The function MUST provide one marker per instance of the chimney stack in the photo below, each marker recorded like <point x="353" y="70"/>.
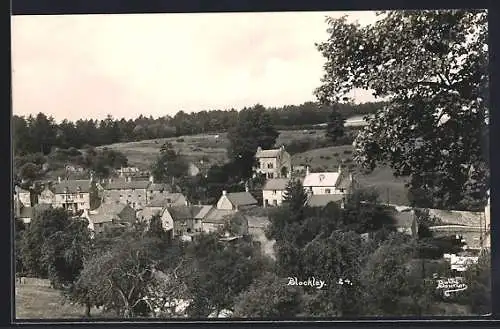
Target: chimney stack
<point x="151" y="179"/>
<point x="259" y="149"/>
<point x="247" y="188"/>
<point x="307" y="170"/>
<point x="340" y="167"/>
<point x="59" y="179"/>
<point x="224" y="193"/>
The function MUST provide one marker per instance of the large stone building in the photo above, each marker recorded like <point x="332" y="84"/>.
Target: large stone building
<point x="274" y="163"/>
<point x="127" y="191"/>
<point x="72" y="195"/>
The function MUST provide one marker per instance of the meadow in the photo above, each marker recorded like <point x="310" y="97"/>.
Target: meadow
<point x="211" y="149"/>
<point x="39" y="302"/>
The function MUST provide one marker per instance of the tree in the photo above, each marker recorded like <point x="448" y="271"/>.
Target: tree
<point x="478" y="278"/>
<point x="43" y="226"/>
<point x="118" y="278"/>
<point x="168" y="164"/>
<point x="432" y="67"/>
<point x="253" y="129"/>
<point x="29" y="172"/>
<point x="65" y="251"/>
<point x="269" y="297"/>
<point x="295" y="197"/>
<point x="335" y="127"/>
<point x="220" y="271"/>
<point x="18" y="242"/>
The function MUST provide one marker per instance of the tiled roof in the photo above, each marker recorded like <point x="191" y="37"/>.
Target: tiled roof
<point x="321" y="200"/>
<point x="344" y="181"/>
<point x="127" y="185"/>
<point x="103" y="218"/>
<point x="111" y="208"/>
<point x="321" y="179"/>
<point x="218" y="216"/>
<point x="203" y="212"/>
<point x="276" y="184"/>
<point x="184" y="212"/>
<point x="160" y="187"/>
<point x="241" y="198"/>
<point x="164" y="200"/>
<point x="72" y="186"/>
<point x="267" y="153"/>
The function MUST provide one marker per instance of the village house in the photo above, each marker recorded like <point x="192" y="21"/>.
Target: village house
<point x="339" y="182"/>
<point x="273" y="192"/>
<point x="274" y="163"/>
<point x="72" y="195"/>
<point x="236" y="201"/>
<point x="74" y="169"/>
<point x="127" y="191"/>
<point x="159" y="204"/>
<point x="187" y="220"/>
<point x="405" y="222"/>
<point x="111" y="214"/>
<point x="160" y="191"/>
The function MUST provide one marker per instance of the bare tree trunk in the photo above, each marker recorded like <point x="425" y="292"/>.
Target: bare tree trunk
<point x="87" y="309"/>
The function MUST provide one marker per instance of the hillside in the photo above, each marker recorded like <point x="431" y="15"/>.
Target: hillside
<point x="212" y="149"/>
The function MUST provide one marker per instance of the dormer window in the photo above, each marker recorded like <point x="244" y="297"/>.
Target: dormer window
<point x="321" y="177"/>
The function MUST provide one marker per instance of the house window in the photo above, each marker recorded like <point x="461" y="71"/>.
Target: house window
<point x="269" y="166"/>
<point x="129" y="196"/>
<point x="328" y="191"/>
<point x="266" y="202"/>
<point x="275" y="202"/>
<point x="121" y="196"/>
<point x="270" y="175"/>
<point x="81" y="195"/>
<point x="274" y="192"/>
<point x="342" y="190"/>
<point x="189" y="230"/>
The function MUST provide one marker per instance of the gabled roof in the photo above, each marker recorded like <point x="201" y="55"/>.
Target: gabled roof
<point x="72" y="186"/>
<point x="273" y="153"/>
<point x="203" y="212"/>
<point x="103" y="218"/>
<point x="184" y="212"/>
<point x="114" y="208"/>
<point x="241" y="198"/>
<point x="160" y="187"/>
<point x="19" y="190"/>
<point x="165" y="200"/>
<point x="321" y="200"/>
<point x="323" y="179"/>
<point x="127" y="185"/>
<point x="218" y="216"/>
<point x="276" y="184"/>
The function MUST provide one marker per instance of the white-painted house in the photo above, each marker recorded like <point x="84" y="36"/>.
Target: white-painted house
<point x="327" y="182"/>
<point x="273" y="192"/>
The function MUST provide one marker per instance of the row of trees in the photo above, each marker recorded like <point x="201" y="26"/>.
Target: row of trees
<point x="40" y="133"/>
<point x="140" y="271"/>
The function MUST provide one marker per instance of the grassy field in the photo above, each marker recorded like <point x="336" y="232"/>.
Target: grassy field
<point x="35" y="302"/>
<point x="213" y="150"/>
<point x="196" y="147"/>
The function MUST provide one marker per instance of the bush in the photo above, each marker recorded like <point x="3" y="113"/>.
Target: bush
<point x="180" y="140"/>
<point x="327" y="157"/>
<point x="347" y="151"/>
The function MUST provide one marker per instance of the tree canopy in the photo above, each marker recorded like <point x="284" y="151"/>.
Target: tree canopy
<point x="432" y="68"/>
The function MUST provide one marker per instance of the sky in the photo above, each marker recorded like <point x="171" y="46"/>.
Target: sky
<point x="89" y="66"/>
